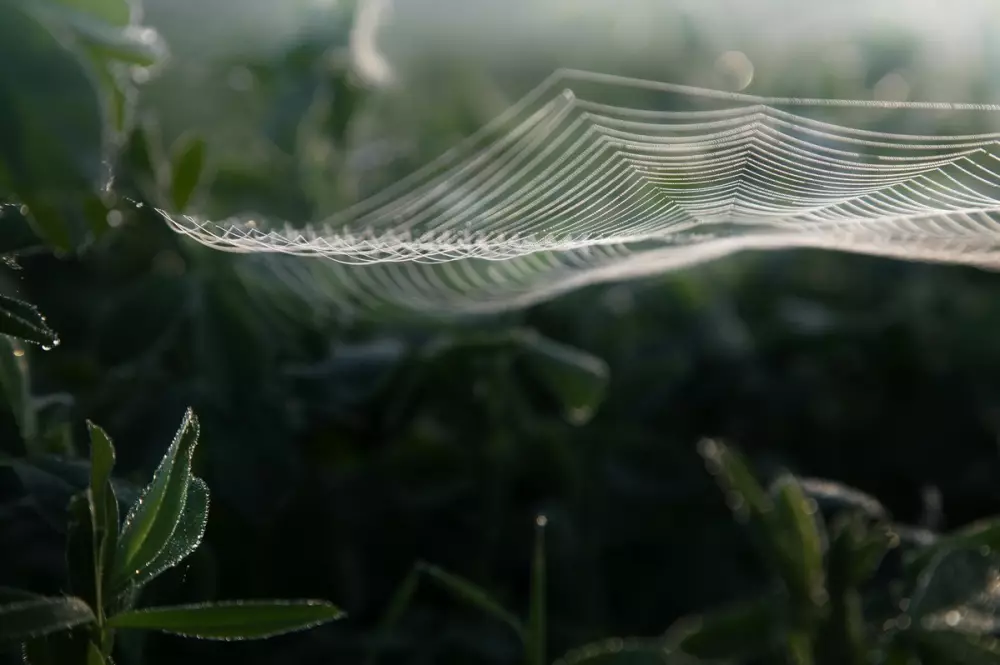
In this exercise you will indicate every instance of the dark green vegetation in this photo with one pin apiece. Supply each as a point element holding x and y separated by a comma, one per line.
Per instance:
<point>341,452</point>
<point>110,561</point>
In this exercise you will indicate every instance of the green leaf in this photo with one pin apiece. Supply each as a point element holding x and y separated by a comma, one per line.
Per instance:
<point>578,380</point>
<point>828,493</point>
<point>151,521</point>
<point>981,534</point>
<point>114,12</point>
<point>473,595</point>
<point>94,655</point>
<point>34,618</point>
<point>16,386</point>
<point>953,578</point>
<point>744,494</point>
<point>23,320</point>
<point>234,620</point>
<point>52,134</point>
<point>798,542</point>
<point>399,603</point>
<point>536,643</point>
<point>187,537</point>
<point>740,631</point>
<point>188,164</point>
<point>81,550</point>
<point>104,509</point>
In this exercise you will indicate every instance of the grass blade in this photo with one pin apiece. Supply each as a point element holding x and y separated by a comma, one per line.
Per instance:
<point>33,618</point>
<point>473,595</point>
<point>536,645</point>
<point>233,620</point>
<point>397,606</point>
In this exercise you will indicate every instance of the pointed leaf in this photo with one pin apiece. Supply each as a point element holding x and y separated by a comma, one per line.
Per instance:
<point>798,543</point>
<point>234,620</point>
<point>953,578</point>
<point>473,595</point>
<point>980,534</point>
<point>828,493</point>
<point>33,618</point>
<point>151,521</point>
<point>112,12</point>
<point>94,655</point>
<point>187,537</point>
<point>15,383</point>
<point>536,643</point>
<point>80,550</point>
<point>745,495</point>
<point>23,320</point>
<point>577,379</point>
<point>188,165</point>
<point>399,603</point>
<point>739,631</point>
<point>104,508</point>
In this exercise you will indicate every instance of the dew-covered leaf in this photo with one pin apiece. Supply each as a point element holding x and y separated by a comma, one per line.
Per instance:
<point>232,620</point>
<point>953,578</point>
<point>16,386</point>
<point>745,495</point>
<point>23,320</point>
<point>473,595</point>
<point>187,536</point>
<point>831,494</point>
<point>981,534</point>
<point>27,619</point>
<point>798,542</point>
<point>151,521</point>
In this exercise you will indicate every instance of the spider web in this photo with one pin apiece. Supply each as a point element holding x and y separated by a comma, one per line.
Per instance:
<point>592,178</point>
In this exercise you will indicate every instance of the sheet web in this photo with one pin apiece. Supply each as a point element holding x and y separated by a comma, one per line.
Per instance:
<point>592,178</point>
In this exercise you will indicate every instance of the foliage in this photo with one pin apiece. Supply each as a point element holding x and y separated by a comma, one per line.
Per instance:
<point>341,450</point>
<point>111,562</point>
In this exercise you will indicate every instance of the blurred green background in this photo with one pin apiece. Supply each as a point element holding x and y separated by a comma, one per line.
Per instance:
<point>341,450</point>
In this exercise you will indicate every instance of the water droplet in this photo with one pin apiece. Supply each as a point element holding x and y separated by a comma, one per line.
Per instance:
<point>24,210</point>
<point>952,618</point>
<point>115,218</point>
<point>46,347</point>
<point>19,352</point>
<point>541,520</point>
